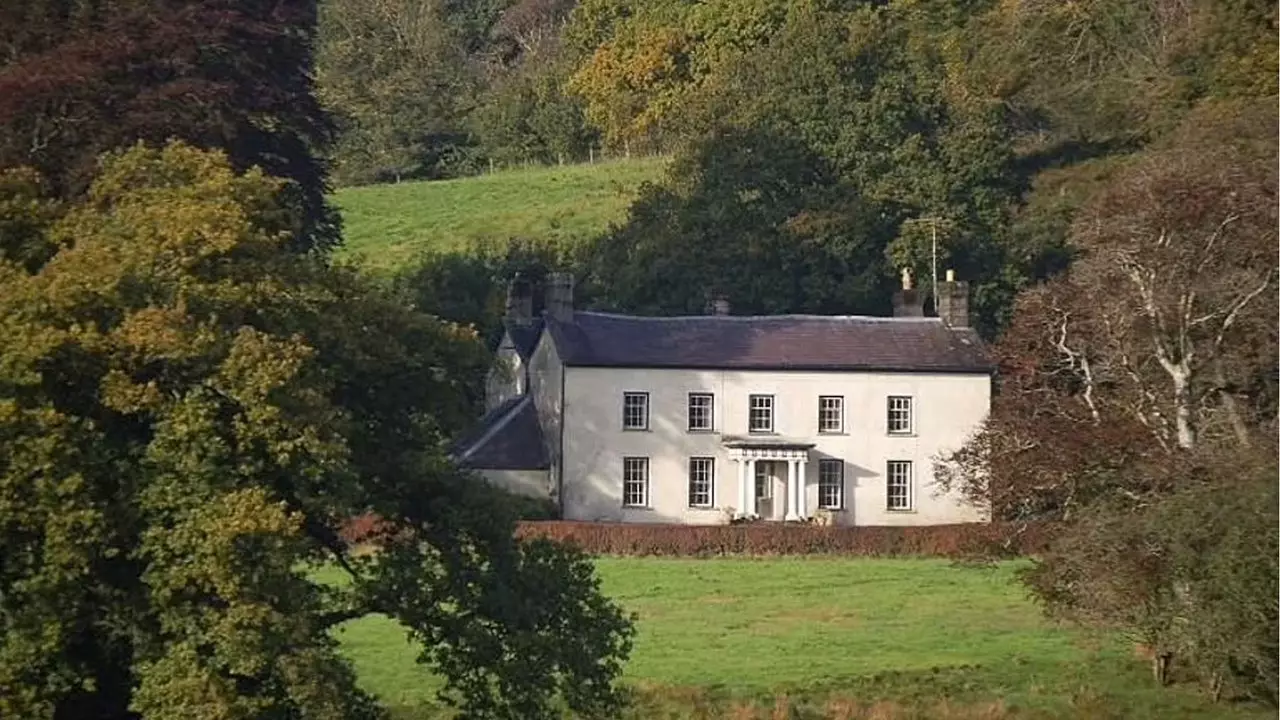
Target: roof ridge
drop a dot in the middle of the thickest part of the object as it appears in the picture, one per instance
(740, 318)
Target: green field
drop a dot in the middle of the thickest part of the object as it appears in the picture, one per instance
(387, 226)
(835, 638)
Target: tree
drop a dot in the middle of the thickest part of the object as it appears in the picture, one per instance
(397, 76)
(752, 215)
(1136, 406)
(79, 78)
(188, 414)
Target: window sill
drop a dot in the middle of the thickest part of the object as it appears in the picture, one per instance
(900, 511)
(637, 507)
(832, 433)
(702, 508)
(627, 429)
(901, 435)
(831, 509)
(704, 431)
(762, 432)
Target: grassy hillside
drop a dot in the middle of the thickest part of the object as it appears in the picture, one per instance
(389, 225)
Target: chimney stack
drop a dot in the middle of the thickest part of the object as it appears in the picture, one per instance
(560, 296)
(907, 302)
(953, 301)
(519, 302)
(718, 305)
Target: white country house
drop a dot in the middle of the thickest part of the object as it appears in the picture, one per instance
(701, 419)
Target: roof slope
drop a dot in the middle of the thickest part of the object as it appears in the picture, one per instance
(524, 337)
(508, 438)
(772, 342)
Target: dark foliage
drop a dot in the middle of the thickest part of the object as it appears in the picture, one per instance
(80, 78)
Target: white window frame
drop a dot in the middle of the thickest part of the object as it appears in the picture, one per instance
(702, 482)
(827, 403)
(710, 408)
(635, 482)
(900, 474)
(897, 408)
(830, 484)
(768, 406)
(628, 403)
(763, 482)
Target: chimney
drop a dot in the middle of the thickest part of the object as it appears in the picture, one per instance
(560, 296)
(718, 305)
(907, 302)
(953, 301)
(519, 302)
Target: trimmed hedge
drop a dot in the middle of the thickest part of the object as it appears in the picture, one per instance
(762, 538)
(766, 538)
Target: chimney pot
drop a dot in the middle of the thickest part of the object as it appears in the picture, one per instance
(951, 275)
(720, 305)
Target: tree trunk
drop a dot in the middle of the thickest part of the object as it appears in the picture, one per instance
(1230, 406)
(1182, 412)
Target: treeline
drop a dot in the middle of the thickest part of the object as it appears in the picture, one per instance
(818, 145)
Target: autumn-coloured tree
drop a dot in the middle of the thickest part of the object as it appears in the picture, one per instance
(81, 77)
(189, 412)
(1136, 405)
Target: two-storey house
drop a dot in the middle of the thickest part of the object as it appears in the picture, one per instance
(701, 419)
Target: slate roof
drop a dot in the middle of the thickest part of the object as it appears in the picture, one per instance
(508, 438)
(770, 342)
(525, 337)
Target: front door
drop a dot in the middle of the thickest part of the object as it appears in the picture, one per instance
(771, 489)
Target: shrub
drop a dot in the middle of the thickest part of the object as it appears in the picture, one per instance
(780, 539)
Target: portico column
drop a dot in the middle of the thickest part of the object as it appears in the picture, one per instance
(749, 482)
(791, 491)
(801, 491)
(742, 487)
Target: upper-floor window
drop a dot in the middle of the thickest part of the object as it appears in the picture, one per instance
(899, 493)
(830, 414)
(635, 481)
(700, 411)
(635, 411)
(760, 414)
(702, 475)
(900, 420)
(831, 484)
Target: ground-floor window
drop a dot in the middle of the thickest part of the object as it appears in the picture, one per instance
(635, 482)
(701, 480)
(899, 495)
(831, 484)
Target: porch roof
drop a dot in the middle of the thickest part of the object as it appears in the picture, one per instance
(765, 442)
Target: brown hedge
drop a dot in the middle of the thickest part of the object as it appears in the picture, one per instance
(779, 539)
(971, 540)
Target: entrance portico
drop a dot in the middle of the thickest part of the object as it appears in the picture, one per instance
(749, 452)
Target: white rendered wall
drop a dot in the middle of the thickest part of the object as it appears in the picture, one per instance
(947, 408)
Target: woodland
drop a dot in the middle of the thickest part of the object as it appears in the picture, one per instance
(195, 396)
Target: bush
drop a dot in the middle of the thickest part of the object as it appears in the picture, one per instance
(780, 539)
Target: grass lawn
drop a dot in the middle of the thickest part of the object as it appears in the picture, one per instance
(387, 226)
(835, 638)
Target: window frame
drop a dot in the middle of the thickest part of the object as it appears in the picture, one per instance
(626, 397)
(910, 410)
(825, 481)
(751, 408)
(641, 464)
(711, 411)
(709, 463)
(910, 481)
(839, 428)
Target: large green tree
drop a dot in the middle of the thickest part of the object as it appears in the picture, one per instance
(189, 412)
(78, 77)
